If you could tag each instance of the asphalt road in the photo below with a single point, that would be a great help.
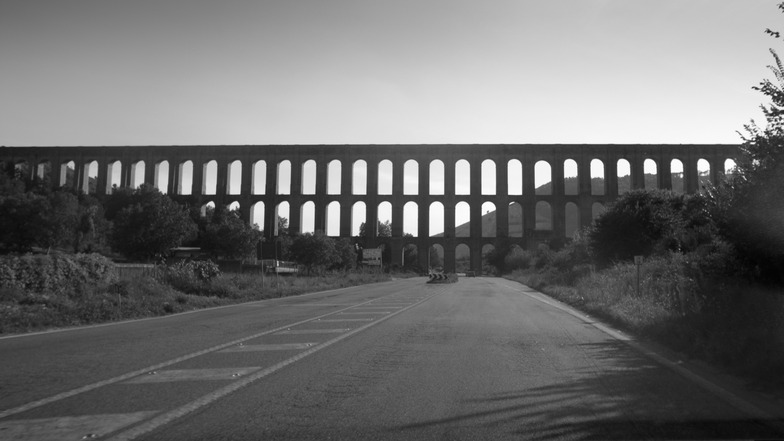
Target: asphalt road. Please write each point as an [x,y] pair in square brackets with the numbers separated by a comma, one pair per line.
[481,359]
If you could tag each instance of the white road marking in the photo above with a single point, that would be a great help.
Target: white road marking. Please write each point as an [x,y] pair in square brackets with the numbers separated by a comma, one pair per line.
[316,304]
[376,307]
[347,320]
[365,312]
[129,375]
[312,331]
[268,347]
[172,415]
[69,427]
[168,376]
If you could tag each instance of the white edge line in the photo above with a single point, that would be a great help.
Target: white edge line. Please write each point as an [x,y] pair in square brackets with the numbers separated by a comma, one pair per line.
[89,387]
[730,398]
[181,411]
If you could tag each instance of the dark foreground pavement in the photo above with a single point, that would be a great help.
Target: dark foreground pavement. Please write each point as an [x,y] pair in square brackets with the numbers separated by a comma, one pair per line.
[480,359]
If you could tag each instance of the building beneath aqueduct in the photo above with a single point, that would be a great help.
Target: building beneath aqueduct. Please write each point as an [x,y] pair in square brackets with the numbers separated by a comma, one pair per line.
[462,198]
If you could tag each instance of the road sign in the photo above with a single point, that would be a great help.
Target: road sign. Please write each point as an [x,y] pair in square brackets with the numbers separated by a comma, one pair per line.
[371,256]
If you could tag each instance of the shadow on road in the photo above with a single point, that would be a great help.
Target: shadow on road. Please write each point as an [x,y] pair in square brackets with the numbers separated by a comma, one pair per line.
[615,393]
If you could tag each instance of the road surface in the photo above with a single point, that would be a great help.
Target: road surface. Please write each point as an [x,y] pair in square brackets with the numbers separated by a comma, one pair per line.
[485,358]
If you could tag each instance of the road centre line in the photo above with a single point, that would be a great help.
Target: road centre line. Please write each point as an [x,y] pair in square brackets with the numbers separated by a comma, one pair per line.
[364,312]
[170,416]
[155,367]
[268,347]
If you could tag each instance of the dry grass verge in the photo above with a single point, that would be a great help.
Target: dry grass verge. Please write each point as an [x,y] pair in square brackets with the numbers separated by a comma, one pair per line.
[737,326]
[23,309]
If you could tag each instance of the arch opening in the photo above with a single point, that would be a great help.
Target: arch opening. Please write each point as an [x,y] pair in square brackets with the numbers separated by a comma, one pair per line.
[436,227]
[411,177]
[597,178]
[411,219]
[309,177]
[624,176]
[333,219]
[572,219]
[185,183]
[489,223]
[385,170]
[544,216]
[462,219]
[571,178]
[436,184]
[651,172]
[543,178]
[676,176]
[462,177]
[514,177]
[334,172]
[359,177]
[259,177]
[210,173]
[515,219]
[488,177]
[161,177]
[462,258]
[234,177]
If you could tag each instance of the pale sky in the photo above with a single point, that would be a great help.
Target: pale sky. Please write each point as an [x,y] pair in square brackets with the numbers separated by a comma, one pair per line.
[148,72]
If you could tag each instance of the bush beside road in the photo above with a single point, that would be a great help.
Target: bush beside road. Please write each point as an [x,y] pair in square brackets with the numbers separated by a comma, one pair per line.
[39,292]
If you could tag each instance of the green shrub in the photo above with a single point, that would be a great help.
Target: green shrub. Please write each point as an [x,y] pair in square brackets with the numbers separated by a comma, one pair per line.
[205,270]
[54,273]
[518,259]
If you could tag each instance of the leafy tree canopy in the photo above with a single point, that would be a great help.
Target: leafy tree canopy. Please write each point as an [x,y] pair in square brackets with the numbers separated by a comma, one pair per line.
[150,225]
[227,235]
[748,206]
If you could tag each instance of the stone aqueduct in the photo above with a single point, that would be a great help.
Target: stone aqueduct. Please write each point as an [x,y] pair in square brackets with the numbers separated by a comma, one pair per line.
[333,183]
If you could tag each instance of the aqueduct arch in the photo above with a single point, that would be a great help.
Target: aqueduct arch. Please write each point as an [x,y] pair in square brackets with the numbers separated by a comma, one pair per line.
[337,184]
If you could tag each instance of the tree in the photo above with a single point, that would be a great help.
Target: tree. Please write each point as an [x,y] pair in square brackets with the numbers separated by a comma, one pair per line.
[24,222]
[644,222]
[151,225]
[283,226]
[748,206]
[62,219]
[226,235]
[435,258]
[345,257]
[384,230]
[92,229]
[313,250]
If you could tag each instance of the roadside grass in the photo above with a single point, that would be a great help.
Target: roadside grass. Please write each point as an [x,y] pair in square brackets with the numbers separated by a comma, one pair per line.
[22,311]
[722,321]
